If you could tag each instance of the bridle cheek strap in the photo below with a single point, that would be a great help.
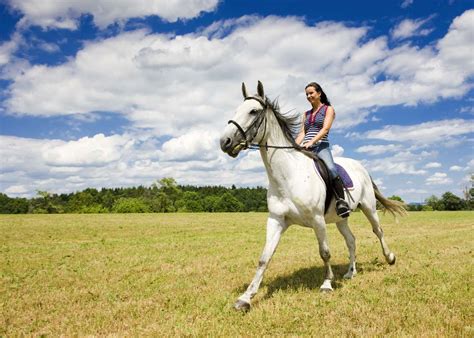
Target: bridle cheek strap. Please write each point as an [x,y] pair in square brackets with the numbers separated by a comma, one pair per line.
[239,128]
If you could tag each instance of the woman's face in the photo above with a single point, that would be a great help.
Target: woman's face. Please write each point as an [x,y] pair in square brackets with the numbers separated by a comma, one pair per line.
[312,95]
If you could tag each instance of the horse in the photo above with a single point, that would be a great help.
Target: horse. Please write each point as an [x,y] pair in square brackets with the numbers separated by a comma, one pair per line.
[296,192]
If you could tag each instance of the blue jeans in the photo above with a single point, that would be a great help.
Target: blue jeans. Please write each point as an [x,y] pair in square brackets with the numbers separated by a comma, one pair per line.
[322,150]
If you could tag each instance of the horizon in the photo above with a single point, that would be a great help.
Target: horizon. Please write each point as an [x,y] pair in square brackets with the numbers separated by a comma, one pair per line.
[120,95]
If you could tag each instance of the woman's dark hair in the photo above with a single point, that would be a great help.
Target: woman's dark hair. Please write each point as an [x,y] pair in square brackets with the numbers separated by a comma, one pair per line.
[324,98]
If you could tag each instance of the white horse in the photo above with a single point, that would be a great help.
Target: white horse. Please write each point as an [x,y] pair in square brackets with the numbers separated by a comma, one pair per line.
[296,192]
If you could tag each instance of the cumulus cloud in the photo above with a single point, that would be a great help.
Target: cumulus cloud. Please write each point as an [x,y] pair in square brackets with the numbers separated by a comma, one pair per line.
[175,81]
[379,149]
[100,161]
[456,168]
[438,179]
[178,91]
[195,145]
[423,133]
[87,151]
[337,150]
[7,48]
[431,165]
[66,14]
[401,163]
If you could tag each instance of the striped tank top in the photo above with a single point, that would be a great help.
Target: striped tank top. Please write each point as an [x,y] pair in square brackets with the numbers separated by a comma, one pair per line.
[313,124]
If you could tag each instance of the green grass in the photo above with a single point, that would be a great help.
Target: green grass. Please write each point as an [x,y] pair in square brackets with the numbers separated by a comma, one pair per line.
[179,274]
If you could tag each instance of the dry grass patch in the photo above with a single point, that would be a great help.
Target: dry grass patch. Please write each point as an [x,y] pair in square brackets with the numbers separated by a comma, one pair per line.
[179,274]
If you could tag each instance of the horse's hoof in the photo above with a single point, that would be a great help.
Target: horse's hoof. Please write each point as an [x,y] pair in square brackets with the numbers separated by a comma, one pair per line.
[349,275]
[241,305]
[326,287]
[391,258]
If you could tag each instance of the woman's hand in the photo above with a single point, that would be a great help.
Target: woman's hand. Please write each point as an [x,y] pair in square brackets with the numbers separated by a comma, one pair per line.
[308,145]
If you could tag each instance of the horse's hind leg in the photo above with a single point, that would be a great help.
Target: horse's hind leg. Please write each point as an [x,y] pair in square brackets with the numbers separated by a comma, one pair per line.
[275,228]
[343,228]
[320,230]
[371,214]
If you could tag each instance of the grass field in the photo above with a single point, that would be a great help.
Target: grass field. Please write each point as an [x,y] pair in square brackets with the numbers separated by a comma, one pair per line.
[179,274]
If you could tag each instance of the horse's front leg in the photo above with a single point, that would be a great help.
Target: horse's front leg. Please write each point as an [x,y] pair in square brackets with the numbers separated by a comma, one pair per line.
[276,226]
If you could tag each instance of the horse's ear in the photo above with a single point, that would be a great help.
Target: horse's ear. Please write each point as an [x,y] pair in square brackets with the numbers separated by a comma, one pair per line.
[244,91]
[260,90]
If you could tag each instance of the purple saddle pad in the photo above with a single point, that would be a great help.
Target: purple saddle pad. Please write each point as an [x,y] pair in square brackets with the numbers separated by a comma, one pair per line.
[346,179]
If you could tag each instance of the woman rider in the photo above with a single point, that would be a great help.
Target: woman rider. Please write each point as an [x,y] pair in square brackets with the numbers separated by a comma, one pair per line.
[314,136]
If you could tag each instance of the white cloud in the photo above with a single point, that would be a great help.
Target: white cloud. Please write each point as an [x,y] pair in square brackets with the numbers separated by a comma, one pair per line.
[195,145]
[406,3]
[337,150]
[401,163]
[184,88]
[438,179]
[7,48]
[168,82]
[87,151]
[423,133]
[456,168]
[379,149]
[251,162]
[66,14]
[408,28]
[431,165]
[99,161]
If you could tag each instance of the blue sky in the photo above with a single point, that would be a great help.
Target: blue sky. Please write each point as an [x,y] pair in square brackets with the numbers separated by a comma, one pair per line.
[110,94]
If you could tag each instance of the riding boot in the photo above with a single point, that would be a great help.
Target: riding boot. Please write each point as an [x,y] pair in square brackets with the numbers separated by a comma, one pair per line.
[342,207]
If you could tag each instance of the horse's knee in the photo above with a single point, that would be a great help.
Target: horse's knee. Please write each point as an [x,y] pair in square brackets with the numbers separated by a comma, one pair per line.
[325,254]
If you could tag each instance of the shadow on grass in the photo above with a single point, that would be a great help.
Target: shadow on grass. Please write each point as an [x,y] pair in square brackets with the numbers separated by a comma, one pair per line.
[312,278]
[305,278]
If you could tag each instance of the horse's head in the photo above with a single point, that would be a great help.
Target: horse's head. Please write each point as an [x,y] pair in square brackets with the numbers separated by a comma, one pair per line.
[244,128]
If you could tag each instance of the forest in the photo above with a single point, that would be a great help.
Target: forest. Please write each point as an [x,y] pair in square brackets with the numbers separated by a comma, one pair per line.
[166,195]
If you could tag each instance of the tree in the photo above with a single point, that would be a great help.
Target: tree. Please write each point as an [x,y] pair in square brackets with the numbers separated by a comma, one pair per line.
[130,205]
[228,202]
[396,198]
[45,204]
[13,205]
[452,202]
[170,189]
[435,203]
[191,202]
[210,203]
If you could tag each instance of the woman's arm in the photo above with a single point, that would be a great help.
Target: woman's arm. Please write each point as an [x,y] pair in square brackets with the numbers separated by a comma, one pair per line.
[300,136]
[328,119]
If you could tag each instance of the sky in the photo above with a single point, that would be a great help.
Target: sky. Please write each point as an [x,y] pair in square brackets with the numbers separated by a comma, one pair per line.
[99,93]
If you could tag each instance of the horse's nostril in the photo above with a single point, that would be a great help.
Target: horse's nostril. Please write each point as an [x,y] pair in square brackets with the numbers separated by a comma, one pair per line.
[226,143]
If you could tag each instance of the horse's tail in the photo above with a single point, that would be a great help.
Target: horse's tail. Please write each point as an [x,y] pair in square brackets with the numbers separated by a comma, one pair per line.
[394,207]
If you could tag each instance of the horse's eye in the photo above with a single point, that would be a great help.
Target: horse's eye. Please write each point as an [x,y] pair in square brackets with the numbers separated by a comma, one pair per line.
[254,111]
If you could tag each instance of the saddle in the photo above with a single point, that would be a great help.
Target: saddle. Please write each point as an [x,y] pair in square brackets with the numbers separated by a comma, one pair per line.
[324,173]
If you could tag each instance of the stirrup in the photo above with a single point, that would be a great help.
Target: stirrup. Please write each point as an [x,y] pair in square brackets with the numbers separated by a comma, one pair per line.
[342,208]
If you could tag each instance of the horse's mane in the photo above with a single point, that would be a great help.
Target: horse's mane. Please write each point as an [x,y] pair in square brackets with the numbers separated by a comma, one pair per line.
[290,125]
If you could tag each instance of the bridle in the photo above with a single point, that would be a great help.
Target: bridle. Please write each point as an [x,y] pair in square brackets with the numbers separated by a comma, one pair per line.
[246,143]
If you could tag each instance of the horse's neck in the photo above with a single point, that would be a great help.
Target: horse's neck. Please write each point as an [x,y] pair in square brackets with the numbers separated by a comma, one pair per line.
[281,164]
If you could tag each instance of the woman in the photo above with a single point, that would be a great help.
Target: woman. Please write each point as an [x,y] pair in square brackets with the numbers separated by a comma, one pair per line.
[314,136]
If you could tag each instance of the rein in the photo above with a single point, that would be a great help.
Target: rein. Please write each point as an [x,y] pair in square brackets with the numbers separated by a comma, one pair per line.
[246,143]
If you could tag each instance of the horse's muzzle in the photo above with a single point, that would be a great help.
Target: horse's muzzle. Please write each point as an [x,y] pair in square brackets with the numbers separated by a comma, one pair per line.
[229,147]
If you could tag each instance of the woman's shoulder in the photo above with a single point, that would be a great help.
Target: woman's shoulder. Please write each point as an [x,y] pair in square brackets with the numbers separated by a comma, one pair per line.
[330,108]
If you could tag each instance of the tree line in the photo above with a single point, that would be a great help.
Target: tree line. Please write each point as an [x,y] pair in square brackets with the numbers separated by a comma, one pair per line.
[166,195]
[162,196]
